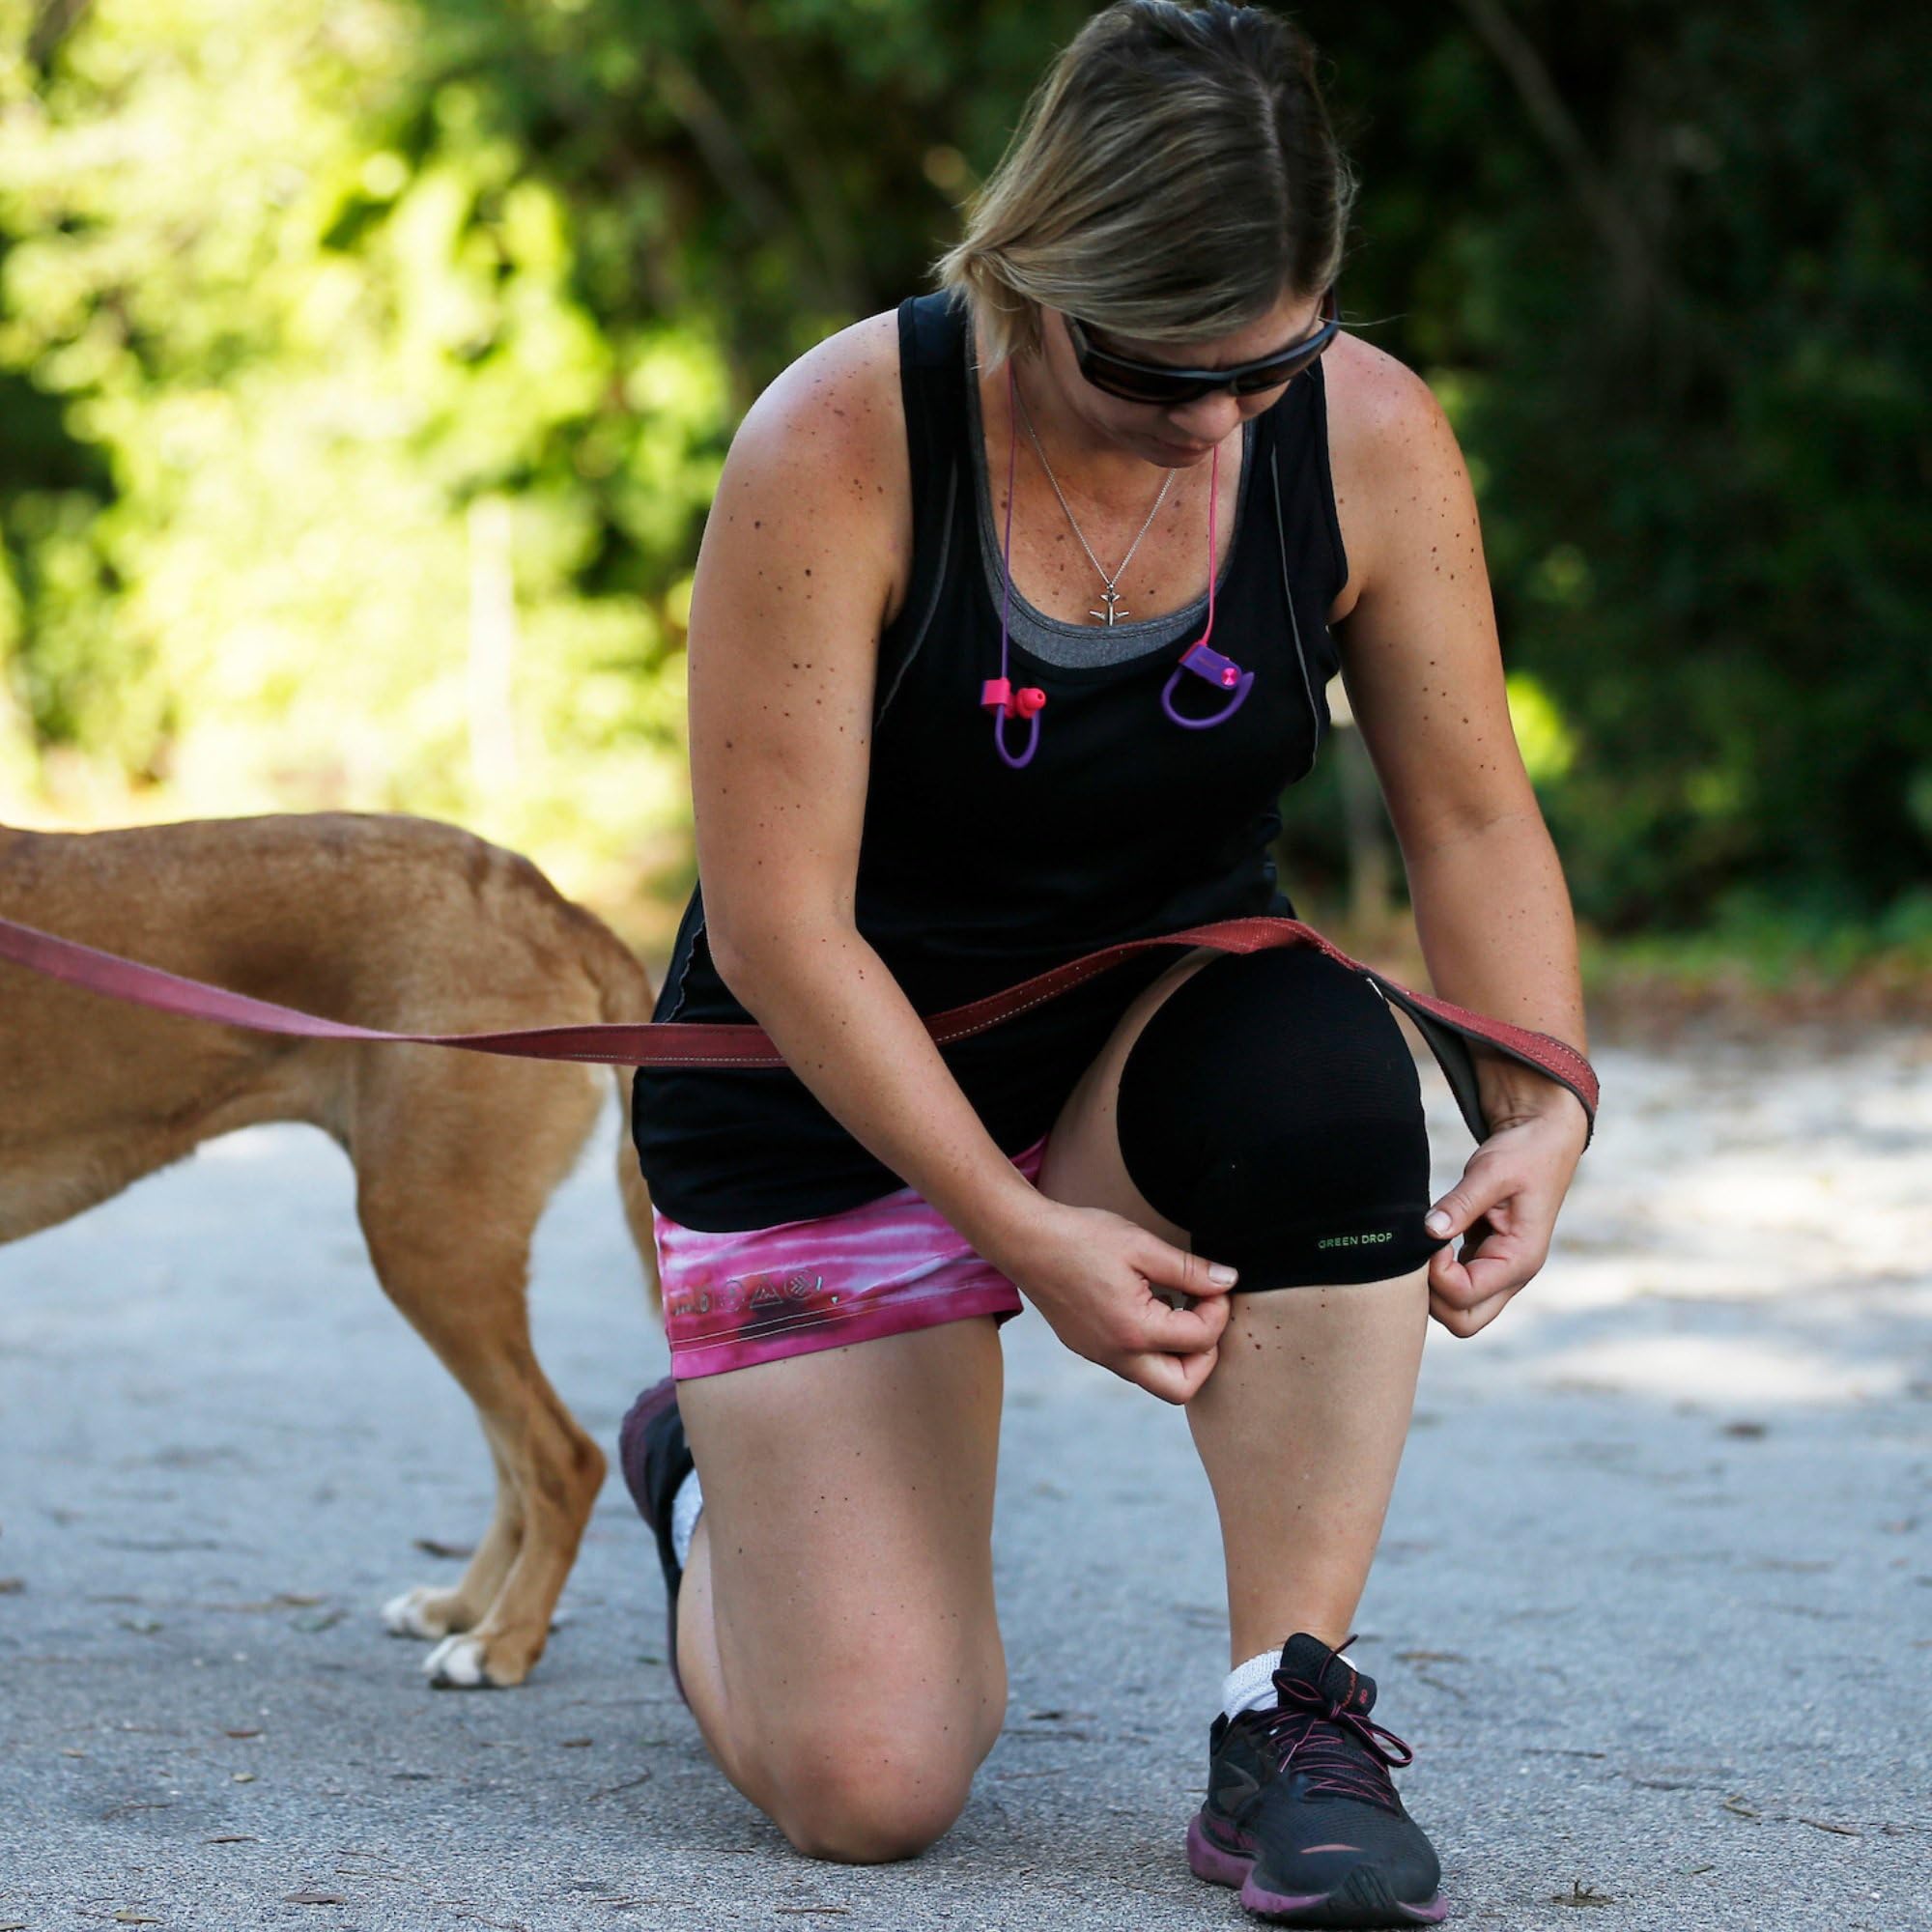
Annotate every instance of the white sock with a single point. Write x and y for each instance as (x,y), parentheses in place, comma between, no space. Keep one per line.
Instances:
(1250,1686)
(684,1508)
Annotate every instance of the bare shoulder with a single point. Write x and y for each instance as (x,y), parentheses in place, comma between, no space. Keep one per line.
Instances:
(1389,440)
(795,578)
(827,437)
(1421,622)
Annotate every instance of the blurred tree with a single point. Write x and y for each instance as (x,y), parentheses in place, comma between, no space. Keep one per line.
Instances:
(1666,267)
(366,366)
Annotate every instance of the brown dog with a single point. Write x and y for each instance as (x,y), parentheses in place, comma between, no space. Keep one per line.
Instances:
(389,921)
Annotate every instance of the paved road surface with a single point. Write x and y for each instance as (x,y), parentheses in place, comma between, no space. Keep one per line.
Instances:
(1653,1608)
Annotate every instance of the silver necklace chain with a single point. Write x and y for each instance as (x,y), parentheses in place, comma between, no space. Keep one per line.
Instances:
(1110,596)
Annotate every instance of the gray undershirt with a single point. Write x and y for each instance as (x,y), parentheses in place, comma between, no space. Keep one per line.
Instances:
(1053,638)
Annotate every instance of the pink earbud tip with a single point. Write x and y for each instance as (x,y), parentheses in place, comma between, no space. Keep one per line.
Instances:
(1031,699)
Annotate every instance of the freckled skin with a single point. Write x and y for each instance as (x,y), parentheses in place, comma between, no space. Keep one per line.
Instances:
(1423,670)
(778,844)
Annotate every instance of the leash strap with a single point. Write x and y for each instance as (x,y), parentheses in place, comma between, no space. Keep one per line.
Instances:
(1451,1030)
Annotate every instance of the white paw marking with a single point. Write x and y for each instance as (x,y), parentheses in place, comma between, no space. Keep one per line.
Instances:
(406,1615)
(456,1663)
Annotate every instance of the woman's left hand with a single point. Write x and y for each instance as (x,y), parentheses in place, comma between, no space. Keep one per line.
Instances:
(1504,1211)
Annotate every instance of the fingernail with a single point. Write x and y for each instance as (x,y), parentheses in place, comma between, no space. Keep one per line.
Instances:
(1437,1222)
(1221,1277)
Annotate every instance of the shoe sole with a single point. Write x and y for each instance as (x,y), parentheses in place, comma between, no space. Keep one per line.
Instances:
(1362,1898)
(643,1411)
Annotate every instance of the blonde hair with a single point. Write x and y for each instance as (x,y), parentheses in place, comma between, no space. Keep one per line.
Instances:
(1174,177)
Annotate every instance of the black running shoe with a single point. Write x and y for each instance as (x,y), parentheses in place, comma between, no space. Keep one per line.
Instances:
(1300,1811)
(655,1459)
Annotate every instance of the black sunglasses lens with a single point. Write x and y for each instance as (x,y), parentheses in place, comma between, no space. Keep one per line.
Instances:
(1133,387)
(1134,384)
(1276,373)
(1272,375)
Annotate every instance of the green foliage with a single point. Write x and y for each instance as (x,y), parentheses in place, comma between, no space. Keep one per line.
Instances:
(384,511)
(1685,332)
(366,367)
(1752,940)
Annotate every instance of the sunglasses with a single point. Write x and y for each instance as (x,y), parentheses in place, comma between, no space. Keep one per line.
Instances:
(1163,383)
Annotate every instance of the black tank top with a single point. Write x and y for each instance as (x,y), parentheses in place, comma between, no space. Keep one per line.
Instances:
(972,876)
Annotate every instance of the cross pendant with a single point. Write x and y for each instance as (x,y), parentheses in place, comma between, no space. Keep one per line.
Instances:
(1109,597)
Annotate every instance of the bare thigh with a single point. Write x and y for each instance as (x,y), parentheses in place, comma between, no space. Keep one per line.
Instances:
(1083,1165)
(842,1651)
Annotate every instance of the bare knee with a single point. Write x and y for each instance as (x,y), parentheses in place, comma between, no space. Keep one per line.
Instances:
(867,1790)
(867,1814)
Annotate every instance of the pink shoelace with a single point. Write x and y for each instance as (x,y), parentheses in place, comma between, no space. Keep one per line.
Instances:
(1337,1749)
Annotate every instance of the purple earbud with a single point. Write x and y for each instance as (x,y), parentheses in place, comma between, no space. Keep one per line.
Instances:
(1223,673)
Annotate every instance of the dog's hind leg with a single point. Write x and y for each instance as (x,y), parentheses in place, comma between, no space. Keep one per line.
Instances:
(426,1611)
(549,1469)
(449,1199)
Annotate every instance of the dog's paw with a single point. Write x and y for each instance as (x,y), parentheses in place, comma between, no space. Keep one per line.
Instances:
(462,1663)
(419,1612)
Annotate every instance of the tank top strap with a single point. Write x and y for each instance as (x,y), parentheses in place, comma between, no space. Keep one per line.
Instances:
(1318,483)
(932,387)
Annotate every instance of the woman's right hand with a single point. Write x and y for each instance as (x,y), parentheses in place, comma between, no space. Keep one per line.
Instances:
(1094,1275)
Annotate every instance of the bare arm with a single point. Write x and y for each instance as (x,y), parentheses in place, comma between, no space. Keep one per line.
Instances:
(793,581)
(1424,676)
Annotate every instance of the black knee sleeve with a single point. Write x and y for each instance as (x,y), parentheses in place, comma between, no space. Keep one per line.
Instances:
(1271,1108)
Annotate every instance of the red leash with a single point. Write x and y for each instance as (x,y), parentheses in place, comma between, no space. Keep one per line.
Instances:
(1448,1029)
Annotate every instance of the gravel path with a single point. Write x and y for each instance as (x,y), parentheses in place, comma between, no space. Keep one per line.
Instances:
(1654,1606)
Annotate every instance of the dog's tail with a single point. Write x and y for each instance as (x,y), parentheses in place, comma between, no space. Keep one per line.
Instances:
(624,994)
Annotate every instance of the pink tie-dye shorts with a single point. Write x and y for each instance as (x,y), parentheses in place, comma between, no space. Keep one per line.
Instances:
(880,1268)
